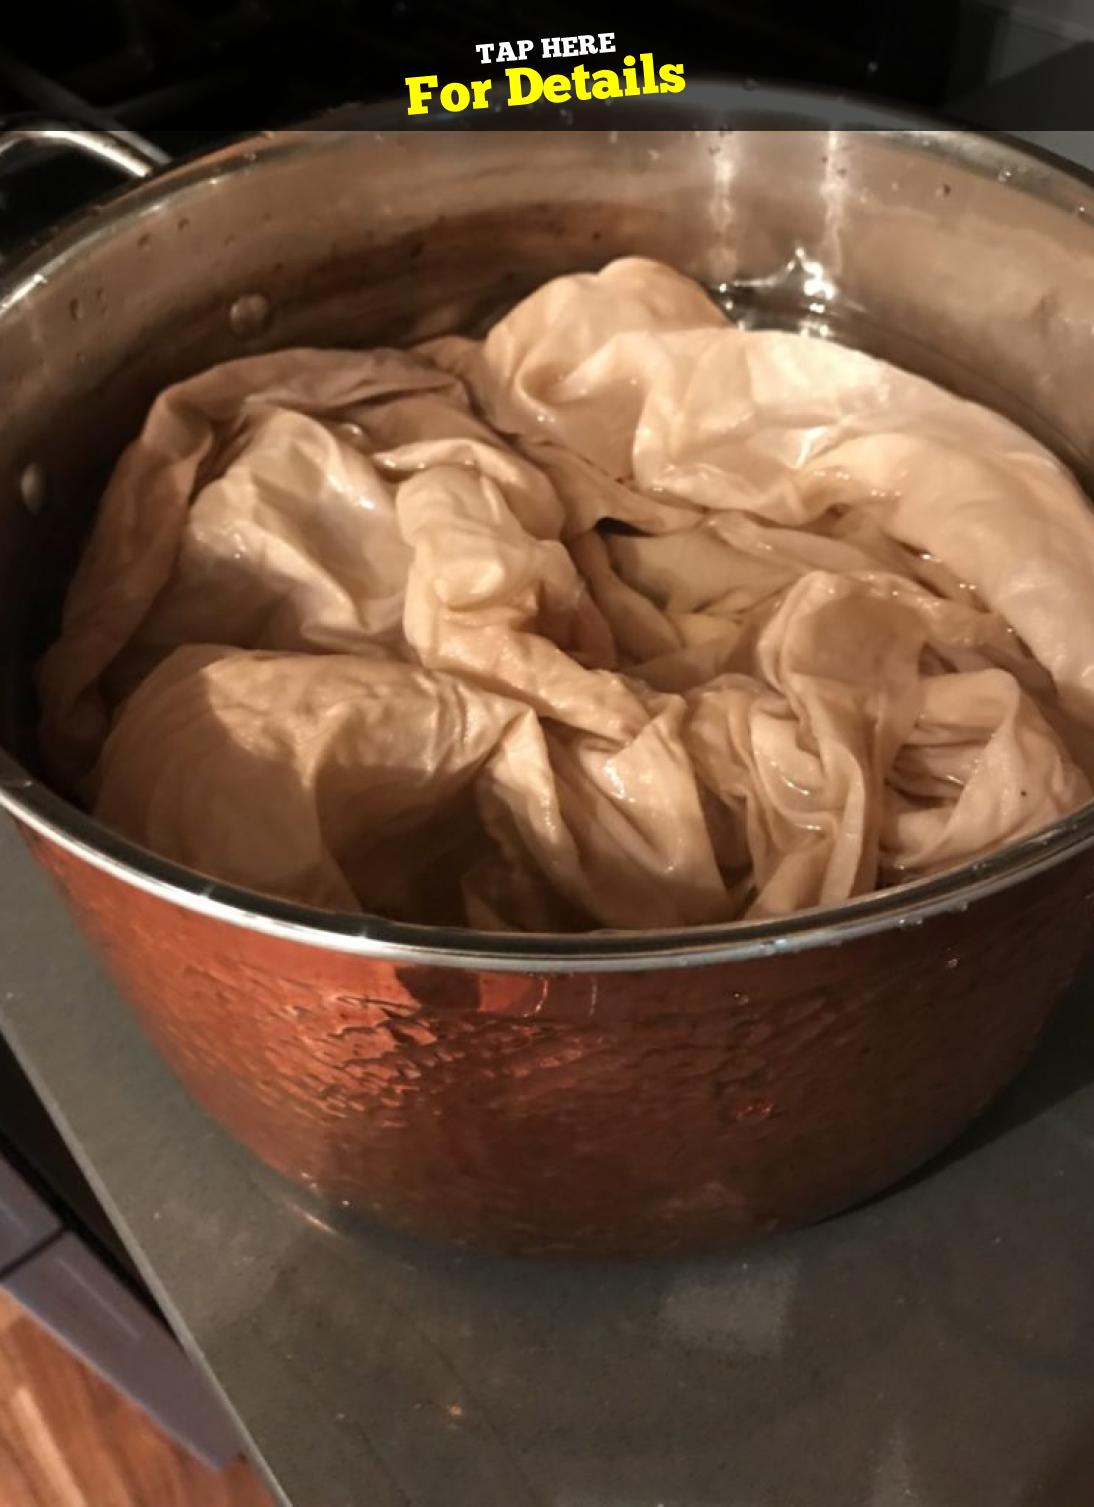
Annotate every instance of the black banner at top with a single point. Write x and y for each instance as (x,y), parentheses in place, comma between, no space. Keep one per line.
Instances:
(193,72)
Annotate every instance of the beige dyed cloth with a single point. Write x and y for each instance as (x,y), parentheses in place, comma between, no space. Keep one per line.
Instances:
(621,617)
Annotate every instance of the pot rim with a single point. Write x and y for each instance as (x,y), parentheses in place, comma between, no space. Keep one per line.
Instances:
(36,806)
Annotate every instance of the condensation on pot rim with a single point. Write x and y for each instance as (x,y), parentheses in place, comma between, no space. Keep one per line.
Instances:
(33,487)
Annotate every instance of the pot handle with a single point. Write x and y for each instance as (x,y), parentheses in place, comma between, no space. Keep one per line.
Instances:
(125,151)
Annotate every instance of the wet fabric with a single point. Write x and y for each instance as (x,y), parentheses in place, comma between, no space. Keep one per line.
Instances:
(620,617)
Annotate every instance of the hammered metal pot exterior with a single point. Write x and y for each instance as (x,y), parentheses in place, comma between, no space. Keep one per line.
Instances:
(594,1113)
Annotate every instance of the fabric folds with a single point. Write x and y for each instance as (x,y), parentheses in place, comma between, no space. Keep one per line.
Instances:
(620,617)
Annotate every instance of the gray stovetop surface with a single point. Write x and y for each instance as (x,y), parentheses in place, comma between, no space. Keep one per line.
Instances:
(935,1349)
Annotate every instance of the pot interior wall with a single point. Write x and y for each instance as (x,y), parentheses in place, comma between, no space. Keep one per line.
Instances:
(943,253)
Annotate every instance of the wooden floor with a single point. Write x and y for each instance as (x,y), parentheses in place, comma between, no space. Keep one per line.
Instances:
(68,1439)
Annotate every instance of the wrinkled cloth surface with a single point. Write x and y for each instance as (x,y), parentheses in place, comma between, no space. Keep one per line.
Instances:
(621,617)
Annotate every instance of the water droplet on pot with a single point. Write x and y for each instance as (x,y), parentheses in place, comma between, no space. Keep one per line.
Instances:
(249,315)
(952,962)
(943,191)
(75,309)
(145,240)
(759,1109)
(741,999)
(32,487)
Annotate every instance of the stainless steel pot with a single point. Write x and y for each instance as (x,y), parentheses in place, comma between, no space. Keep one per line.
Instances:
(603,1092)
